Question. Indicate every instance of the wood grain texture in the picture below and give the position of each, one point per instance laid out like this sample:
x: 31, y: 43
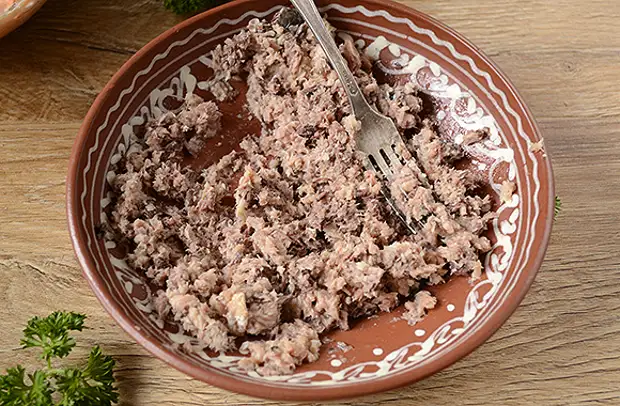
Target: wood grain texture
x: 561, y: 347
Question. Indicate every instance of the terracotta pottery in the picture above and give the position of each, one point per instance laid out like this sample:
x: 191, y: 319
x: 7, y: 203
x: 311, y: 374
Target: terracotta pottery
x: 17, y: 14
x: 467, y: 92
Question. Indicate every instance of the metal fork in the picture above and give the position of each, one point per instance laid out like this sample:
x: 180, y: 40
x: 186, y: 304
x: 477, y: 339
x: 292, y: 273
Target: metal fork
x: 379, y: 138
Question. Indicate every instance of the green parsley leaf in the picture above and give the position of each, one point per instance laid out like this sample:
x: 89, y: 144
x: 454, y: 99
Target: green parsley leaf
x: 40, y: 392
x: 558, y: 207
x: 14, y: 391
x: 51, y: 333
x: 92, y: 385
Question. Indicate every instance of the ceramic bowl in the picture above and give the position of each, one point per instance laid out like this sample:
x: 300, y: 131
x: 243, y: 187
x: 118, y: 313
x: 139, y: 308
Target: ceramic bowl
x: 15, y: 13
x: 467, y: 92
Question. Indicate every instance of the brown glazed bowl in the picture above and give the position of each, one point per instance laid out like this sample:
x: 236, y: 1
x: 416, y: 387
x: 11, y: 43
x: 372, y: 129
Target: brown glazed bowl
x: 17, y: 14
x: 467, y: 92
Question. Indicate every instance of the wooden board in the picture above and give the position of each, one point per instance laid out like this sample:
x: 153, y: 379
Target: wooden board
x: 561, y: 347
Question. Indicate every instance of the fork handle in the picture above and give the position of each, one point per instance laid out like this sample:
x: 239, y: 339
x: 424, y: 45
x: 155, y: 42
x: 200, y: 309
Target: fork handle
x: 313, y: 18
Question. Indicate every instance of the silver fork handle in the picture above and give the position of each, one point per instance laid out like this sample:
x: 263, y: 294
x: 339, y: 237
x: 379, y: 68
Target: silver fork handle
x: 311, y: 15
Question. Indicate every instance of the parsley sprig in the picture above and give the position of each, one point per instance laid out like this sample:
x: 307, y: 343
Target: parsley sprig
x: 51, y: 334
x: 90, y: 385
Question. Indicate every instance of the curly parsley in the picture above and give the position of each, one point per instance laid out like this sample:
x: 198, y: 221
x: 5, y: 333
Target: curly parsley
x: 90, y: 385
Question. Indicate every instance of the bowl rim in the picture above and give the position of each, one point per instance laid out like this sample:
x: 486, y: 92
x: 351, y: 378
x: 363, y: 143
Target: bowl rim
x: 256, y: 389
x: 17, y: 16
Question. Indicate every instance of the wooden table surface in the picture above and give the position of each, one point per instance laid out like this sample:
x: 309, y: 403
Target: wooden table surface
x: 561, y: 347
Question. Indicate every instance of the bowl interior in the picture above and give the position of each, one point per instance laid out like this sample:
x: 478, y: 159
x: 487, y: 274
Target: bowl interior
x: 462, y: 90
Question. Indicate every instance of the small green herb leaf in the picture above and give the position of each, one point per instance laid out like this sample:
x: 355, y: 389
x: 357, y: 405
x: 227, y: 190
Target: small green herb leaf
x: 92, y: 385
x: 14, y: 391
x: 51, y: 333
x: 40, y: 392
x: 558, y: 206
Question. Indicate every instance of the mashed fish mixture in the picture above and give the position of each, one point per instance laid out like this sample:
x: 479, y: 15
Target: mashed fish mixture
x: 272, y: 246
